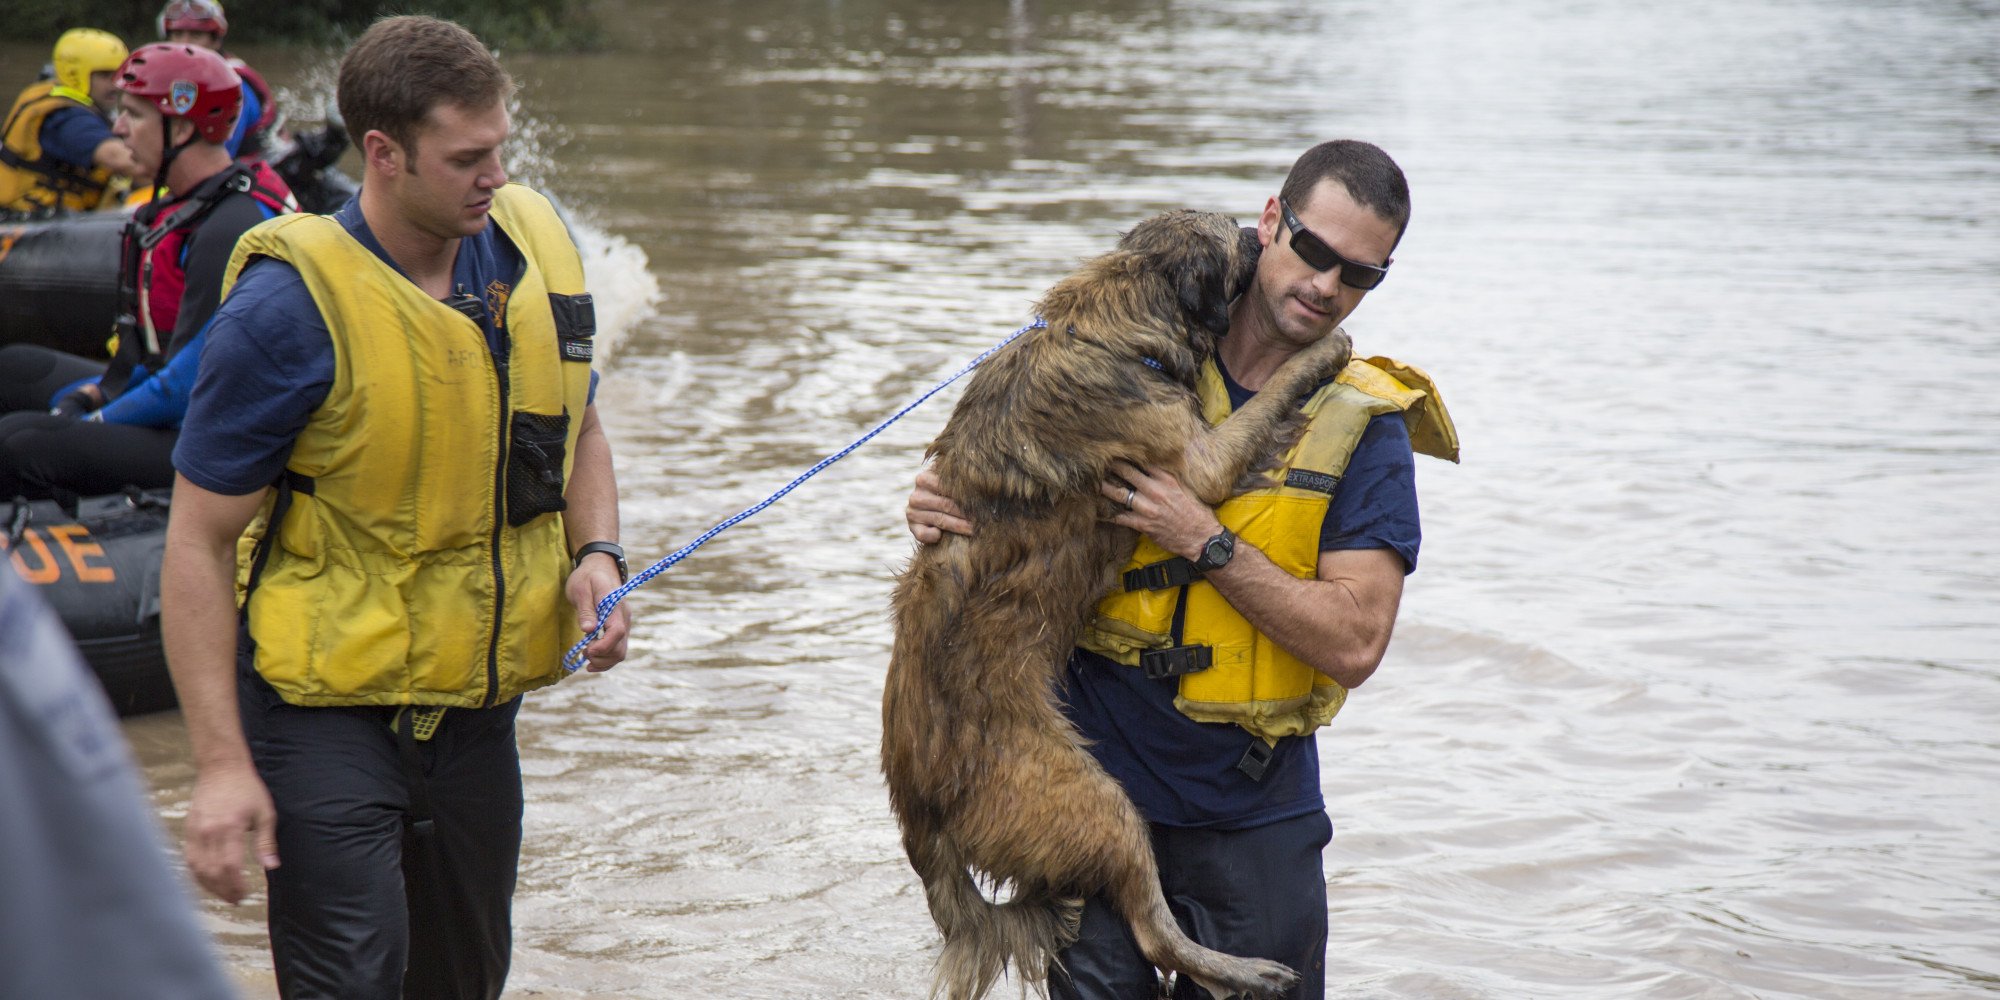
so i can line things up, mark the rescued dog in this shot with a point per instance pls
(990, 783)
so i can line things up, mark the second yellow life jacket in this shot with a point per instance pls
(1170, 621)
(418, 558)
(30, 179)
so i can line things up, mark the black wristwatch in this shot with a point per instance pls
(611, 549)
(1216, 551)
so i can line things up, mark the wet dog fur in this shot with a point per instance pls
(991, 785)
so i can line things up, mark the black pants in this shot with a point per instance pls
(31, 374)
(364, 906)
(1256, 893)
(43, 456)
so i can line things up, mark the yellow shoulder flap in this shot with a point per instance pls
(1431, 430)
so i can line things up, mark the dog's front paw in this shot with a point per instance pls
(1329, 354)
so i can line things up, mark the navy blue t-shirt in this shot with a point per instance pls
(268, 360)
(1180, 772)
(72, 135)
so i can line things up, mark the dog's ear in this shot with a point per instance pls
(1205, 274)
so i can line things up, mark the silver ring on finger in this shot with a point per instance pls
(1130, 493)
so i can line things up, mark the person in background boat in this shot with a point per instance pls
(1200, 682)
(113, 426)
(91, 909)
(201, 22)
(301, 158)
(396, 401)
(57, 152)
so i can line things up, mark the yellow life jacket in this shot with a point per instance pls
(30, 179)
(1170, 620)
(410, 566)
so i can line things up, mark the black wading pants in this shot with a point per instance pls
(367, 903)
(1256, 893)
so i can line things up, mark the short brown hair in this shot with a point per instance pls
(1371, 178)
(402, 67)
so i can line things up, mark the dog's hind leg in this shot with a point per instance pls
(981, 937)
(1217, 458)
(1124, 856)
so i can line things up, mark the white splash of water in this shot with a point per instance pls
(620, 281)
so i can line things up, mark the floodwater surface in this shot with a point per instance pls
(1694, 692)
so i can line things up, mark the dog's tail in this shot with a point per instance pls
(983, 938)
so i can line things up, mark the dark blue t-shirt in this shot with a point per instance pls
(268, 360)
(1180, 772)
(72, 135)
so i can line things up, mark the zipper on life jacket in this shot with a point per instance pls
(496, 353)
(498, 350)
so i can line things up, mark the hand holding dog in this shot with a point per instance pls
(1161, 508)
(930, 513)
(588, 584)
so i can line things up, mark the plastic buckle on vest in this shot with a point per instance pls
(1162, 575)
(424, 721)
(240, 182)
(1257, 760)
(1158, 663)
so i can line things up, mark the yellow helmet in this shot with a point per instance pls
(83, 51)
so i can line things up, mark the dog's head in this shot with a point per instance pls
(1206, 256)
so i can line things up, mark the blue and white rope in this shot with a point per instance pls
(574, 659)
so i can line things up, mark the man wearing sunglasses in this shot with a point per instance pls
(1239, 630)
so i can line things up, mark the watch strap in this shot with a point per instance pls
(1227, 539)
(612, 549)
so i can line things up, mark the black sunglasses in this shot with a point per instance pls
(1321, 257)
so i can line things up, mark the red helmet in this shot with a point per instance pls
(186, 81)
(194, 15)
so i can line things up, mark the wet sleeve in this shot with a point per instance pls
(1375, 505)
(266, 363)
(73, 134)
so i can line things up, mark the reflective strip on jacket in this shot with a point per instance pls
(397, 576)
(29, 178)
(1252, 681)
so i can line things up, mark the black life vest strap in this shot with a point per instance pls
(1175, 572)
(288, 483)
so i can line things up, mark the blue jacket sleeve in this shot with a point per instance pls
(159, 401)
(252, 109)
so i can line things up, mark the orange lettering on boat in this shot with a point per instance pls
(45, 571)
(79, 549)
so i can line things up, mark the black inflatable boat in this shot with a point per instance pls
(98, 565)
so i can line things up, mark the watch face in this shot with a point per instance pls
(1216, 551)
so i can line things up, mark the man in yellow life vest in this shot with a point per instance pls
(56, 147)
(1239, 630)
(399, 396)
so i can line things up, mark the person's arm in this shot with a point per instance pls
(1339, 623)
(81, 137)
(591, 515)
(161, 400)
(112, 154)
(230, 807)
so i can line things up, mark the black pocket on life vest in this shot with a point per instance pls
(535, 466)
(576, 324)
